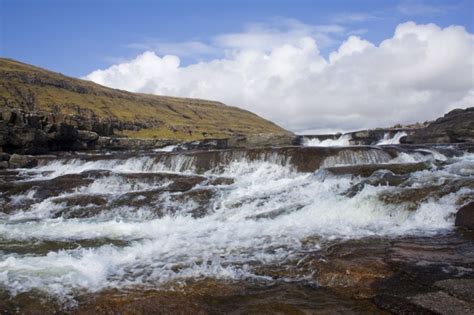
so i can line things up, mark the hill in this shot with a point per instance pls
(109, 111)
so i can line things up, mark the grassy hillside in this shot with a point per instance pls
(32, 88)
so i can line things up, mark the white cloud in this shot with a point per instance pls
(418, 74)
(353, 44)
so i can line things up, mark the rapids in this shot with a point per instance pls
(389, 138)
(392, 139)
(84, 224)
(343, 140)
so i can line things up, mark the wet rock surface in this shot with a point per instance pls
(465, 216)
(367, 169)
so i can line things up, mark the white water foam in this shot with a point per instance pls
(168, 148)
(264, 217)
(344, 158)
(146, 164)
(419, 155)
(389, 138)
(342, 141)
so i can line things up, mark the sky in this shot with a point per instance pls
(307, 65)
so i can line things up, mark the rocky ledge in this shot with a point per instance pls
(34, 133)
(454, 127)
(457, 126)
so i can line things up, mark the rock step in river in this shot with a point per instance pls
(349, 229)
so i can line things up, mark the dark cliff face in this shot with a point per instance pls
(454, 127)
(33, 132)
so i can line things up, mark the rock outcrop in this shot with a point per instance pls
(454, 127)
(38, 132)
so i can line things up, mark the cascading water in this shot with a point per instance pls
(341, 141)
(136, 223)
(392, 139)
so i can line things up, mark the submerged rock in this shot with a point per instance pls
(352, 276)
(414, 196)
(380, 177)
(42, 189)
(368, 169)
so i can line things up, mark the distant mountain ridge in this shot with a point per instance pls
(108, 111)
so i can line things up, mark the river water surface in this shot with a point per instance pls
(78, 226)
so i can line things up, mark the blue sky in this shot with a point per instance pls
(76, 37)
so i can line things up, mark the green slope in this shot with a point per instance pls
(147, 116)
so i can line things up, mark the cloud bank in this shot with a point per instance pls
(418, 74)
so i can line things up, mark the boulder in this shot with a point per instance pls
(465, 216)
(22, 161)
(6, 115)
(20, 138)
(88, 136)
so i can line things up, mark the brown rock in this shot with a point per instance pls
(461, 288)
(465, 216)
(351, 276)
(87, 136)
(443, 303)
(221, 181)
(262, 140)
(22, 161)
(369, 169)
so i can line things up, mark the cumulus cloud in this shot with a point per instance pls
(418, 74)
